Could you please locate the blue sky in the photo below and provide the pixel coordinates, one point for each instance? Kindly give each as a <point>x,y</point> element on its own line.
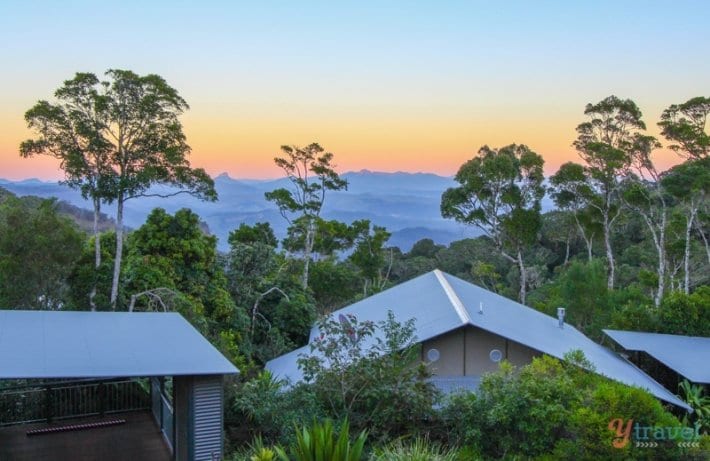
<point>384,85</point>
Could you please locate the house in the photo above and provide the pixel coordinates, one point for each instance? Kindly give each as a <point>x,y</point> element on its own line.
<point>463,331</point>
<point>668,358</point>
<point>110,386</point>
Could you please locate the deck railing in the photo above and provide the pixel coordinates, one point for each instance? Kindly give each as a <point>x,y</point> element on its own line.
<point>162,408</point>
<point>48,401</point>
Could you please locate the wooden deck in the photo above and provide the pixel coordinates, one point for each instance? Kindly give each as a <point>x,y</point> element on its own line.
<point>137,440</point>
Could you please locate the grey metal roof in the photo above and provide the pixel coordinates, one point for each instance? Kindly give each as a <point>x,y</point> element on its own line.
<point>688,356</point>
<point>440,303</point>
<point>58,344</point>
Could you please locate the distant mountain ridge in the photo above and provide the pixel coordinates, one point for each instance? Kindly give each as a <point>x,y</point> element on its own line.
<point>407,204</point>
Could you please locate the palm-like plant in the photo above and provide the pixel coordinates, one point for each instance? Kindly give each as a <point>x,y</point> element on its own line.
<point>693,395</point>
<point>319,443</point>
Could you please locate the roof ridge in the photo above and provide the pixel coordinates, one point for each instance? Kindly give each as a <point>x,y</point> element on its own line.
<point>453,297</point>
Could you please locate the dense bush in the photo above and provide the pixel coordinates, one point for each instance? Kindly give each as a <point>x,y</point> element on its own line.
<point>371,375</point>
<point>270,410</point>
<point>556,409</point>
<point>679,314</point>
<point>419,449</point>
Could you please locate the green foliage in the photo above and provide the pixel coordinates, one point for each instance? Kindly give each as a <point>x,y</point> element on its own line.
<point>333,284</point>
<point>553,409</point>
<point>85,276</point>
<point>69,129</point>
<point>370,255</point>
<point>688,179</point>
<point>694,395</point>
<point>294,317</point>
<point>678,314</point>
<point>171,258</point>
<point>500,192</point>
<point>117,138</point>
<point>368,373</point>
<point>425,248</point>
<point>683,314</point>
<point>419,449</point>
<point>582,290</point>
<point>684,125</point>
<point>319,442</point>
<point>330,236</point>
<point>38,249</point>
<point>310,171</point>
<point>260,232</point>
<point>271,410</point>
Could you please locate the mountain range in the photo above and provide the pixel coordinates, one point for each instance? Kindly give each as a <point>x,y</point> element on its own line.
<point>407,204</point>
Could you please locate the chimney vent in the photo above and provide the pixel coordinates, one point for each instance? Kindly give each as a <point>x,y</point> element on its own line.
<point>561,316</point>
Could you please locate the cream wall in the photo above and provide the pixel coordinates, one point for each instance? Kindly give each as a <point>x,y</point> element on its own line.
<point>465,352</point>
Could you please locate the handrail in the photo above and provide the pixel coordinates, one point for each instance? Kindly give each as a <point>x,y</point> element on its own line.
<point>69,399</point>
<point>51,383</point>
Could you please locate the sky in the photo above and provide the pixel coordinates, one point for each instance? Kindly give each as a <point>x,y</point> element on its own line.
<point>384,85</point>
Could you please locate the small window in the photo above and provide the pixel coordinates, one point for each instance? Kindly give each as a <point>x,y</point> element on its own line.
<point>433,355</point>
<point>495,356</point>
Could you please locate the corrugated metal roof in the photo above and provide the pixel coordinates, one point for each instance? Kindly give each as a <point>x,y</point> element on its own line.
<point>435,301</point>
<point>422,299</point>
<point>688,356</point>
<point>539,331</point>
<point>58,344</point>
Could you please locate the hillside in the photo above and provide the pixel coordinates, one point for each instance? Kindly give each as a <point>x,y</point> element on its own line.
<point>83,217</point>
<point>407,204</point>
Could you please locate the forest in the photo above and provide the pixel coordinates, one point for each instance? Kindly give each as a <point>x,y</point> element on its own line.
<point>626,247</point>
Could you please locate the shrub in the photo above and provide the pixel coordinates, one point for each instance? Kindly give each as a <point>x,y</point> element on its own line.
<point>557,409</point>
<point>421,449</point>
<point>319,443</point>
<point>271,410</point>
<point>369,374</point>
<point>694,395</point>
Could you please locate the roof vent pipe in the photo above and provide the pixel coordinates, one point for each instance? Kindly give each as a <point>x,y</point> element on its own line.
<point>480,307</point>
<point>561,316</point>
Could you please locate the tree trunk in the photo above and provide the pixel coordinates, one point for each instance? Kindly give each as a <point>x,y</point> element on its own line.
<point>686,254</point>
<point>589,241</point>
<point>657,228</point>
<point>699,228</point>
<point>97,251</point>
<point>661,261</point>
<point>523,278</point>
<point>307,251</point>
<point>119,251</point>
<point>661,266</point>
<point>609,252</point>
<point>589,249</point>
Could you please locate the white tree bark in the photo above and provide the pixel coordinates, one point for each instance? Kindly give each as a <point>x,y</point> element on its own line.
<point>308,250</point>
<point>97,250</point>
<point>523,278</point>
<point>609,252</point>
<point>690,219</point>
<point>119,251</point>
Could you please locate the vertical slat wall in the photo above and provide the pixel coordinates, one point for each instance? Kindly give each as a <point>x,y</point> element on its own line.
<point>207,418</point>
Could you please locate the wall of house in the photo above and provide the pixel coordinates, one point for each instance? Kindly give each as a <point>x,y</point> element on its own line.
<point>451,357</point>
<point>466,352</point>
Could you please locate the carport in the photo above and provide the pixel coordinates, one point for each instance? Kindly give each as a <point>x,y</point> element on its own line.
<point>134,377</point>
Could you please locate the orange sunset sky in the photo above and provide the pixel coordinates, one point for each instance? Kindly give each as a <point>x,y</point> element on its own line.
<point>408,86</point>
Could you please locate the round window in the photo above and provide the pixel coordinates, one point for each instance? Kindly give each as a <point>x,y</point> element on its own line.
<point>495,355</point>
<point>433,355</point>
